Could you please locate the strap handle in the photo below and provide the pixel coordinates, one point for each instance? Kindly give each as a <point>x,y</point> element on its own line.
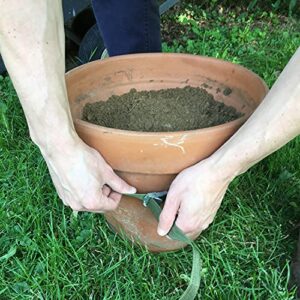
<point>176,234</point>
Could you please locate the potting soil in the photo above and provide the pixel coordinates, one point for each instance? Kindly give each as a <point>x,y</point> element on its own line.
<point>163,110</point>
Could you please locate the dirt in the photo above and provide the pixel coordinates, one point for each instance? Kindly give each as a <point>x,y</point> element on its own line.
<point>164,110</point>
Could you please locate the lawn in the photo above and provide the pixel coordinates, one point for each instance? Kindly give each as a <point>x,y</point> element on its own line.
<point>47,252</point>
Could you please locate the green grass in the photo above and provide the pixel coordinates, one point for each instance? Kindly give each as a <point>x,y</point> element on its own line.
<point>46,252</point>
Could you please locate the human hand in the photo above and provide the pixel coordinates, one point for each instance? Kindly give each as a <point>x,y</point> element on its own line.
<point>84,181</point>
<point>195,195</point>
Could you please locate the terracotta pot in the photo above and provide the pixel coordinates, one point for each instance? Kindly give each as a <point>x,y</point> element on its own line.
<point>150,161</point>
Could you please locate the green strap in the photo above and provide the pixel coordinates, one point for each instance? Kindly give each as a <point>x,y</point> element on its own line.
<point>176,234</point>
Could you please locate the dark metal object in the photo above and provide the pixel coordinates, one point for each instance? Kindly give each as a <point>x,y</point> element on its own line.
<point>2,66</point>
<point>165,6</point>
<point>157,196</point>
<point>71,8</point>
<point>91,46</point>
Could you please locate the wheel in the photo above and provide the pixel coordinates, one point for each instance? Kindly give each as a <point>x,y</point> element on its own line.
<point>92,46</point>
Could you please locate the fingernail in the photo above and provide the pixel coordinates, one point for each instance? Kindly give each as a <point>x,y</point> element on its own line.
<point>161,232</point>
<point>131,190</point>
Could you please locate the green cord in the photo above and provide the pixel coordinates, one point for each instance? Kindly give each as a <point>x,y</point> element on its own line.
<point>176,234</point>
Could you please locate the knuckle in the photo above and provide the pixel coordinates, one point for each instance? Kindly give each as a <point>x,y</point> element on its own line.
<point>108,204</point>
<point>116,197</point>
<point>187,227</point>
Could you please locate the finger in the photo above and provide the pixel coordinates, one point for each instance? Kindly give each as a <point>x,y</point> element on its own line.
<point>118,184</point>
<point>168,214</point>
<point>115,196</point>
<point>106,190</point>
<point>99,202</point>
<point>188,223</point>
<point>185,219</point>
<point>108,204</point>
<point>192,226</point>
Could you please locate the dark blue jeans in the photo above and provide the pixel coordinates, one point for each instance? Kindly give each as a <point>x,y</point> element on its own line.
<point>128,26</point>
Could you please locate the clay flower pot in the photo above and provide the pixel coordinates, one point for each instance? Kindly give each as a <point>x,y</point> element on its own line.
<point>150,161</point>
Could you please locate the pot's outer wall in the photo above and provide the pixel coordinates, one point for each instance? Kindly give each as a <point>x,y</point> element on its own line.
<point>150,161</point>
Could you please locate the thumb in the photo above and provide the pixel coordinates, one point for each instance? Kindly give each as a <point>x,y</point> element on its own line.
<point>168,214</point>
<point>119,185</point>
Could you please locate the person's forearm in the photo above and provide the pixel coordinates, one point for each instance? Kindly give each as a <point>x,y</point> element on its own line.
<point>32,45</point>
<point>274,123</point>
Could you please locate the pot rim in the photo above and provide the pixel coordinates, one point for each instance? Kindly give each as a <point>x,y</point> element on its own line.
<point>211,129</point>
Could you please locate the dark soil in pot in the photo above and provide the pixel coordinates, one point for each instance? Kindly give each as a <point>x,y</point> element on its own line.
<point>160,111</point>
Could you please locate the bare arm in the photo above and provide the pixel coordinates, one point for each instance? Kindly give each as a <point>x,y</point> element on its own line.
<point>32,44</point>
<point>272,125</point>
<point>197,192</point>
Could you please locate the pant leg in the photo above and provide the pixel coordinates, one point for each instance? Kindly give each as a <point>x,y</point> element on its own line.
<point>128,26</point>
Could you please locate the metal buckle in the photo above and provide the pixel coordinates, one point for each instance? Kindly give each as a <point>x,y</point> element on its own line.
<point>158,196</point>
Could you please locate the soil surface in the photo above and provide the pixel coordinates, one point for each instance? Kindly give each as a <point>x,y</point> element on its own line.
<point>164,110</point>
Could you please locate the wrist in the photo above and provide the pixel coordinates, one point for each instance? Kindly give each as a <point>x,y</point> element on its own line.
<point>60,137</point>
<point>225,164</point>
